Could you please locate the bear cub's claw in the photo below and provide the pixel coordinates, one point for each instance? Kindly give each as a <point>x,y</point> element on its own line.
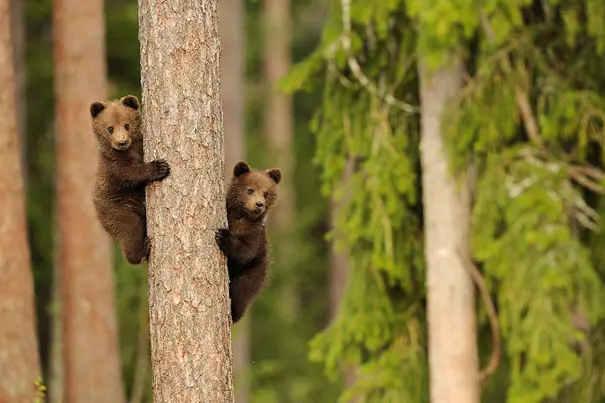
<point>221,237</point>
<point>161,169</point>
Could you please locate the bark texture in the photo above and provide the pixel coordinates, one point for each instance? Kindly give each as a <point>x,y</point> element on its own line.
<point>182,120</point>
<point>92,371</point>
<point>450,294</point>
<point>231,16</point>
<point>19,361</point>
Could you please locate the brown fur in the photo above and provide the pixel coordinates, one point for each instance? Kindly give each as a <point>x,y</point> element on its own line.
<point>122,174</point>
<point>250,196</point>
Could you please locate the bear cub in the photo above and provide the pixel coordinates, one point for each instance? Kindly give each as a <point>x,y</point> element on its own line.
<point>122,174</point>
<point>250,196</point>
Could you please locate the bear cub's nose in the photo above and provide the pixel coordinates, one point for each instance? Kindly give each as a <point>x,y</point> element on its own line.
<point>259,204</point>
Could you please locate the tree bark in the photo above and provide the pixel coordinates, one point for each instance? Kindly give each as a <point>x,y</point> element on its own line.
<point>19,360</point>
<point>188,282</point>
<point>450,294</point>
<point>231,13</point>
<point>92,370</point>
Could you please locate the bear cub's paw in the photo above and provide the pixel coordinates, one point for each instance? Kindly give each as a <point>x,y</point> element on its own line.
<point>221,236</point>
<point>161,169</point>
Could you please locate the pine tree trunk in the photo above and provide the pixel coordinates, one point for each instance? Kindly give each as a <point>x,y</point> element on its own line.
<point>231,13</point>
<point>19,361</point>
<point>279,131</point>
<point>340,266</point>
<point>188,282</point>
<point>450,294</point>
<point>92,370</point>
<point>18,39</point>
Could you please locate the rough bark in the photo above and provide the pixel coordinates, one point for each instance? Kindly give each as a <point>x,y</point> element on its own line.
<point>19,361</point>
<point>231,16</point>
<point>92,371</point>
<point>188,283</point>
<point>450,294</point>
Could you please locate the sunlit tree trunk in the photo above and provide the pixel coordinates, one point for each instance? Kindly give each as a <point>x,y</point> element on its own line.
<point>18,39</point>
<point>188,282</point>
<point>339,275</point>
<point>279,131</point>
<point>19,361</point>
<point>450,295</point>
<point>231,13</point>
<point>92,371</point>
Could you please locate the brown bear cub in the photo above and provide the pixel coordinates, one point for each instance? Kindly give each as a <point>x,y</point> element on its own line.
<point>249,198</point>
<point>119,197</point>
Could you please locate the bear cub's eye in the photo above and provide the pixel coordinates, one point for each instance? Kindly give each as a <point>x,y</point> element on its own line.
<point>126,126</point>
<point>266,194</point>
<point>110,129</point>
<point>250,191</point>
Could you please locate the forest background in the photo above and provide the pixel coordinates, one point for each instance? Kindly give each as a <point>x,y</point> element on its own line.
<point>331,93</point>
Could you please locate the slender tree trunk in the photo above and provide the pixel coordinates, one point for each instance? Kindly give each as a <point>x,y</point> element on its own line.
<point>19,361</point>
<point>279,132</point>
<point>18,38</point>
<point>339,275</point>
<point>231,13</point>
<point>90,333</point>
<point>450,294</point>
<point>188,282</point>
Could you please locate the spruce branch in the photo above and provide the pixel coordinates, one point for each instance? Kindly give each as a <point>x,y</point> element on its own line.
<point>345,41</point>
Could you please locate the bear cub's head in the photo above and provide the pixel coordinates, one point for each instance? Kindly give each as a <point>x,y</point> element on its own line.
<point>252,192</point>
<point>116,123</point>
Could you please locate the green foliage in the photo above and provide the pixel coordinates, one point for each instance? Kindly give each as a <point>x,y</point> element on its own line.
<point>529,208</point>
<point>380,326</point>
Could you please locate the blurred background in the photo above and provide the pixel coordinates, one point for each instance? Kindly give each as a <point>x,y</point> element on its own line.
<point>345,314</point>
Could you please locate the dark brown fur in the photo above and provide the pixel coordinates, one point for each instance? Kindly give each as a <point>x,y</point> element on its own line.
<point>250,196</point>
<point>122,174</point>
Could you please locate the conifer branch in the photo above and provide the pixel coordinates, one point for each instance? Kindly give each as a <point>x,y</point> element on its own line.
<point>345,41</point>
<point>490,308</point>
<point>588,177</point>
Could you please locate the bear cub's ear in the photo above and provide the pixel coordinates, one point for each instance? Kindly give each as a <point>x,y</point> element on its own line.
<point>274,174</point>
<point>240,169</point>
<point>96,108</point>
<point>130,101</point>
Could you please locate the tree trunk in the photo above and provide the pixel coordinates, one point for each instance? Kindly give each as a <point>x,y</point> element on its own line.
<point>92,370</point>
<point>18,39</point>
<point>450,294</point>
<point>231,13</point>
<point>19,361</point>
<point>279,131</point>
<point>188,282</point>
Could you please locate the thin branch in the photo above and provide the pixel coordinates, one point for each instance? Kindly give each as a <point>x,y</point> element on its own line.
<point>490,308</point>
<point>365,82</point>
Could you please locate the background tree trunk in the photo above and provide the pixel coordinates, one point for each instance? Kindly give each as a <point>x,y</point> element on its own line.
<point>90,335</point>
<point>188,283</point>
<point>279,131</point>
<point>340,266</point>
<point>450,294</point>
<point>19,361</point>
<point>18,39</point>
<point>231,13</point>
